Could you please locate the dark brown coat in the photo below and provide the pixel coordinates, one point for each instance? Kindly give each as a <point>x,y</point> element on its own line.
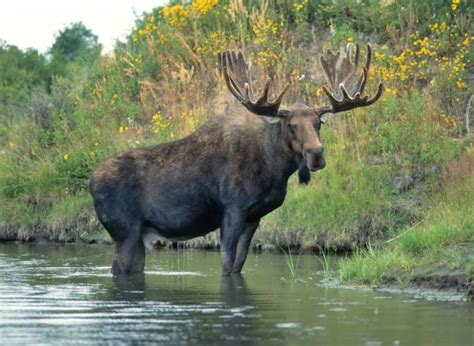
<point>228,174</point>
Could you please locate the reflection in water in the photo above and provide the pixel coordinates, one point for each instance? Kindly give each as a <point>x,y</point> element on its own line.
<point>234,291</point>
<point>227,316</point>
<point>129,288</point>
<point>55,295</point>
<point>242,322</point>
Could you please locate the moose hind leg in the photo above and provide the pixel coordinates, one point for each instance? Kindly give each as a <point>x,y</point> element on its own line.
<point>243,246</point>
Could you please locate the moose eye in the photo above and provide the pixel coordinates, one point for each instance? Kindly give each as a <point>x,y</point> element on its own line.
<point>292,128</point>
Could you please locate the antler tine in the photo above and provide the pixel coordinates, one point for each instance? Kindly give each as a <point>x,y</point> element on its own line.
<point>357,54</point>
<point>377,95</point>
<point>224,64</point>
<point>240,71</point>
<point>237,76</point>
<point>347,91</point>
<point>360,85</point>
<point>329,69</point>
<point>369,56</point>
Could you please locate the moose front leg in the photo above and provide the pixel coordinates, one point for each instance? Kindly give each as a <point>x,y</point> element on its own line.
<point>243,246</point>
<point>129,257</point>
<point>232,227</point>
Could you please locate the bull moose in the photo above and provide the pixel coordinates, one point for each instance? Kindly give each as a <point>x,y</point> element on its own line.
<point>229,173</point>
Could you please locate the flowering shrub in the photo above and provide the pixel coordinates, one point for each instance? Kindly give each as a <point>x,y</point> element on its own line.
<point>424,58</point>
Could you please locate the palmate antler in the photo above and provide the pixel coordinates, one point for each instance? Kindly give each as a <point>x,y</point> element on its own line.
<point>341,73</point>
<point>237,76</point>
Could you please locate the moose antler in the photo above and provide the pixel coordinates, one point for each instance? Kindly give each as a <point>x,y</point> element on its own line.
<point>238,79</point>
<point>348,90</point>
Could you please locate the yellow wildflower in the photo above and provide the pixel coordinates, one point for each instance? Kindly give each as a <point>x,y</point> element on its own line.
<point>159,122</point>
<point>175,14</point>
<point>203,6</point>
<point>455,4</point>
<point>460,84</point>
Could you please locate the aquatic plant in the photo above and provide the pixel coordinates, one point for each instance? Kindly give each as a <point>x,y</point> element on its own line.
<point>291,263</point>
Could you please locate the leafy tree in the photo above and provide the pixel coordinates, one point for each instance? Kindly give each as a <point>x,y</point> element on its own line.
<point>74,44</point>
<point>20,72</point>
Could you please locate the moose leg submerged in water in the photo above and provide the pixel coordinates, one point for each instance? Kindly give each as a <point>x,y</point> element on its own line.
<point>229,173</point>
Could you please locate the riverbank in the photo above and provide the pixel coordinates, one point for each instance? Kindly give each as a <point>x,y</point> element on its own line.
<point>438,251</point>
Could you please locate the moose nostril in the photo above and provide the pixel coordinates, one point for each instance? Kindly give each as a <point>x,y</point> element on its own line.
<point>315,151</point>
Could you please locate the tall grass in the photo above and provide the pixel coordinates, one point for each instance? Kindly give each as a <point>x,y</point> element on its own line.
<point>326,263</point>
<point>370,266</point>
<point>291,263</point>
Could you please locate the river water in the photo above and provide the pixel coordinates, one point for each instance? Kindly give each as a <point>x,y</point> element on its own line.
<point>59,295</point>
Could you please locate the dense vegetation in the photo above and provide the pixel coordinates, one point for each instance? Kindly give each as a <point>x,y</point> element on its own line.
<point>400,170</point>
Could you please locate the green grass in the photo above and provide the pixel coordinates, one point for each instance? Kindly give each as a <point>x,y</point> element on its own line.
<point>441,243</point>
<point>326,263</point>
<point>291,263</point>
<point>370,266</point>
<point>470,266</point>
<point>69,207</point>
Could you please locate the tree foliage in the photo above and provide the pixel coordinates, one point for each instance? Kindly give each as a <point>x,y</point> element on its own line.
<point>74,42</point>
<point>20,72</point>
<point>24,72</point>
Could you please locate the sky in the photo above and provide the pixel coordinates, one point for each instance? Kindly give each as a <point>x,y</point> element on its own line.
<point>35,23</point>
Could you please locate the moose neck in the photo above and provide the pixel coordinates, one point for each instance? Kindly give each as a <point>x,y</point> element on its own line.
<point>277,148</point>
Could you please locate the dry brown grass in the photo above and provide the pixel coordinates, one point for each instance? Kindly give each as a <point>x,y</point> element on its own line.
<point>457,170</point>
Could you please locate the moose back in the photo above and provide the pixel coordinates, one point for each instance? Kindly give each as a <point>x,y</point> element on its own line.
<point>229,173</point>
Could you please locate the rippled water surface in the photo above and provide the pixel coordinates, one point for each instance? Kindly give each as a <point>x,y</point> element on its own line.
<point>66,295</point>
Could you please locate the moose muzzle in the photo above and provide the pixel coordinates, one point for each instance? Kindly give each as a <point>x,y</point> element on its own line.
<point>314,158</point>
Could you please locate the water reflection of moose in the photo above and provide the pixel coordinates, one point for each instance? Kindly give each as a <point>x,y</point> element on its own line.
<point>229,314</point>
<point>229,173</point>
